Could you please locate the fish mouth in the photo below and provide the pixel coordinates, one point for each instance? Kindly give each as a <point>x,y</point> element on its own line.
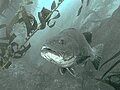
<point>46,49</point>
<point>51,55</point>
<point>55,57</point>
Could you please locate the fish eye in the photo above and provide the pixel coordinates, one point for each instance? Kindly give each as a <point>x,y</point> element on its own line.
<point>61,41</point>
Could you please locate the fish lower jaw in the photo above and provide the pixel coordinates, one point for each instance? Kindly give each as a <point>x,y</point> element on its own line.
<point>58,60</point>
<point>51,57</point>
<point>69,63</point>
<point>66,65</point>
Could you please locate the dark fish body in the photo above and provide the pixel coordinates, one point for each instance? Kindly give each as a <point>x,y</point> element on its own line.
<point>69,47</point>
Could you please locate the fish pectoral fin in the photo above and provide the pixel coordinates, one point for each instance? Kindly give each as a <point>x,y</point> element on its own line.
<point>97,50</point>
<point>71,71</point>
<point>62,71</point>
<point>96,62</point>
<point>88,36</point>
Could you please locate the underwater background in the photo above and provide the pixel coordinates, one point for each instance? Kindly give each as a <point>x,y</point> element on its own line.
<point>32,72</point>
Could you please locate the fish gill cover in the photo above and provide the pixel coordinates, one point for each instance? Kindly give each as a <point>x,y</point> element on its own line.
<point>24,25</point>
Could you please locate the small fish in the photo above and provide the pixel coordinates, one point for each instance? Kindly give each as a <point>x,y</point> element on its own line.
<point>71,47</point>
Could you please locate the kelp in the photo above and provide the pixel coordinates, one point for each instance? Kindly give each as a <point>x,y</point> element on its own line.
<point>45,15</point>
<point>8,52</point>
<point>79,11</point>
<point>81,6</point>
<point>108,78</point>
<point>27,20</point>
<point>112,58</point>
<point>114,65</point>
<point>113,80</point>
<point>11,49</point>
<point>5,4</point>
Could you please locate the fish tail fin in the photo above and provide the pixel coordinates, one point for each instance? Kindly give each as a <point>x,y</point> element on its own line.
<point>97,50</point>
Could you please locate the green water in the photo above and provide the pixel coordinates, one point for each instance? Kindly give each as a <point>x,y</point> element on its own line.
<point>32,72</point>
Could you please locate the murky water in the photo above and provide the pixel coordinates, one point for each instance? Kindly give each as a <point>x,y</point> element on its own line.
<point>32,72</point>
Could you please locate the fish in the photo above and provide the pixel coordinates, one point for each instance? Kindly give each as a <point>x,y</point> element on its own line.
<point>71,47</point>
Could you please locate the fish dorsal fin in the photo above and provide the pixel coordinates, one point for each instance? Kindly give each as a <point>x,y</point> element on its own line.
<point>88,36</point>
